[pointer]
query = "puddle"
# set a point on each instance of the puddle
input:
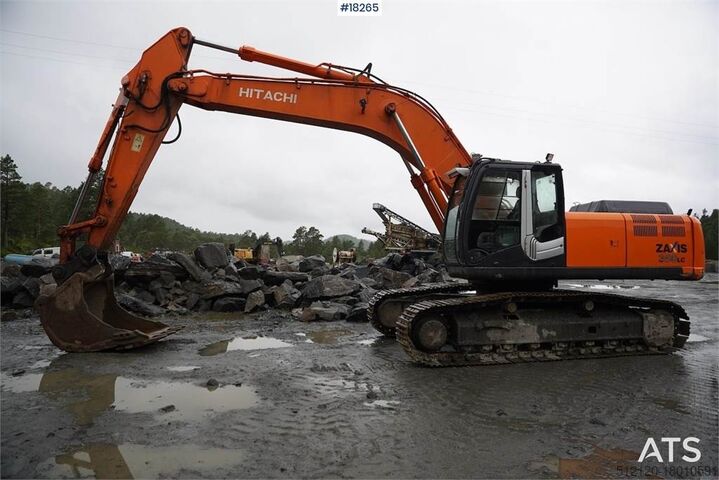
(386, 404)
(255, 343)
(101, 460)
(695, 337)
(21, 383)
(190, 401)
(87, 396)
(328, 337)
(187, 368)
(600, 463)
(369, 341)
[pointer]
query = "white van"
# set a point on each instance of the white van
(46, 252)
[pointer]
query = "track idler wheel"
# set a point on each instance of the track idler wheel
(431, 334)
(82, 315)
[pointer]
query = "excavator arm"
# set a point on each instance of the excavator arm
(82, 315)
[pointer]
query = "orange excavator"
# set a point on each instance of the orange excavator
(504, 226)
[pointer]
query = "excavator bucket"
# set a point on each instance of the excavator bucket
(82, 315)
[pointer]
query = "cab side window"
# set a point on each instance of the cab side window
(545, 214)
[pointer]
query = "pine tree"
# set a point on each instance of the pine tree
(10, 193)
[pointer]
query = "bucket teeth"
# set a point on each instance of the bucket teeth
(82, 315)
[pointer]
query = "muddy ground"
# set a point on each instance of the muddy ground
(335, 400)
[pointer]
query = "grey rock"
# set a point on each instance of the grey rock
(11, 270)
(162, 296)
(38, 266)
(212, 255)
(368, 282)
(32, 286)
(23, 299)
(178, 309)
(346, 300)
(255, 300)
(366, 295)
(361, 271)
(192, 299)
(276, 278)
(250, 272)
(328, 286)
(47, 279)
(358, 313)
(323, 270)
(324, 311)
(9, 286)
(195, 272)
(310, 263)
(285, 295)
(142, 294)
(248, 286)
(152, 268)
(387, 278)
(221, 288)
(228, 304)
(230, 269)
(138, 306)
(167, 409)
(119, 263)
(213, 383)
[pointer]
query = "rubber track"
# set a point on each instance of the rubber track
(374, 303)
(497, 357)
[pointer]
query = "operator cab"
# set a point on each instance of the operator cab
(507, 218)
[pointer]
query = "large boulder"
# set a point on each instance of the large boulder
(195, 272)
(250, 272)
(212, 255)
(255, 300)
(276, 278)
(310, 263)
(119, 263)
(38, 266)
(249, 286)
(387, 278)
(285, 295)
(220, 288)
(152, 268)
(329, 286)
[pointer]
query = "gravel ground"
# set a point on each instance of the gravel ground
(335, 400)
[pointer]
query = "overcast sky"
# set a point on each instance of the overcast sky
(625, 94)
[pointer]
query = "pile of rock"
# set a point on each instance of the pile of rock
(212, 280)
(21, 285)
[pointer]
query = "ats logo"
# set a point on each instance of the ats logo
(668, 252)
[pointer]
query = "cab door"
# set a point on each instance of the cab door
(542, 223)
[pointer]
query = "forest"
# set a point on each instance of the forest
(31, 212)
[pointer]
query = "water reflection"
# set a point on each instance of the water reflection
(104, 460)
(248, 343)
